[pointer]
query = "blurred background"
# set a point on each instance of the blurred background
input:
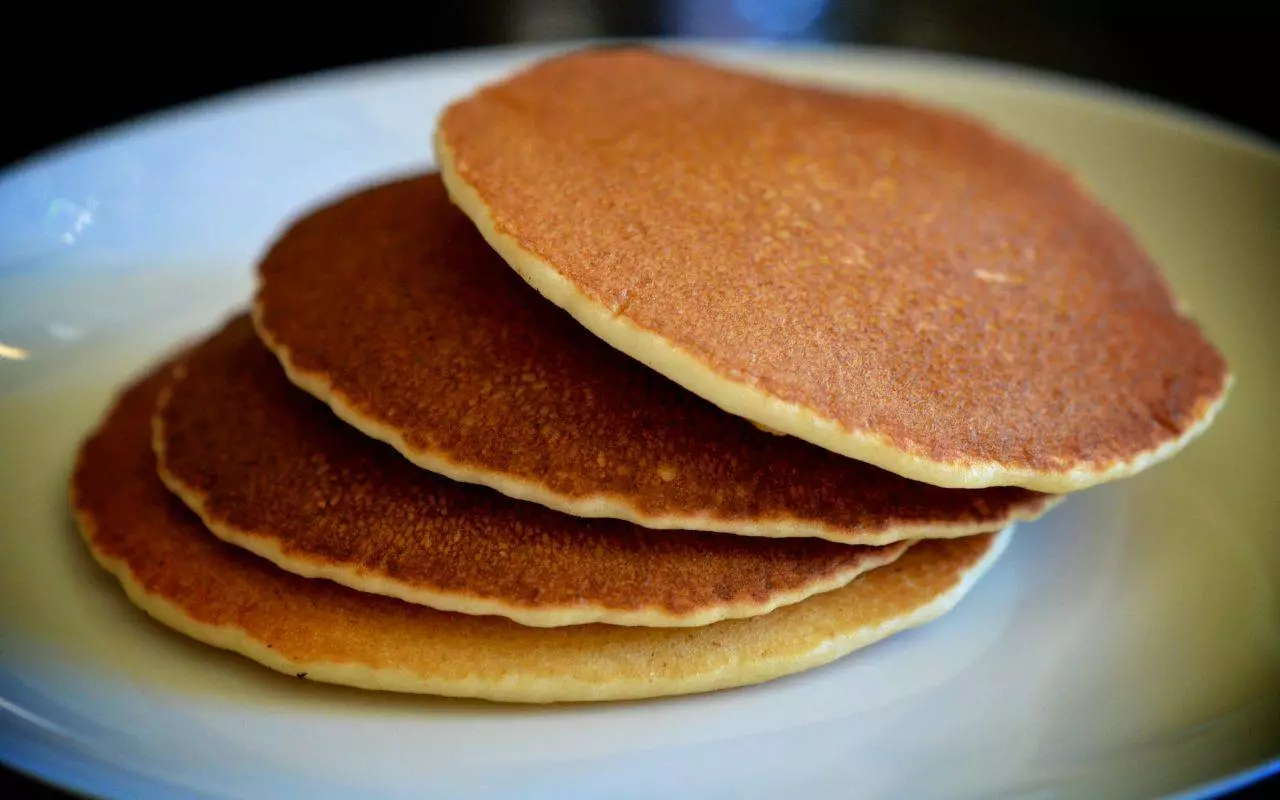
(68, 71)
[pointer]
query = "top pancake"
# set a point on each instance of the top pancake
(894, 283)
(390, 307)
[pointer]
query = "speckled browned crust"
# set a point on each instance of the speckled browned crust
(216, 593)
(390, 307)
(268, 468)
(895, 283)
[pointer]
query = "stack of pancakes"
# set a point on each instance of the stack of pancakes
(673, 379)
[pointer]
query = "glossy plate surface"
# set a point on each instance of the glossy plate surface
(1128, 645)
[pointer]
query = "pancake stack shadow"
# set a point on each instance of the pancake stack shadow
(673, 379)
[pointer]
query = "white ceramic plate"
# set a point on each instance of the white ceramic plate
(1128, 645)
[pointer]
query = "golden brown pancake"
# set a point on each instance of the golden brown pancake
(892, 282)
(270, 469)
(390, 307)
(225, 596)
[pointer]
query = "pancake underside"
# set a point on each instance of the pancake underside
(539, 616)
(610, 573)
(173, 569)
(620, 506)
(359, 664)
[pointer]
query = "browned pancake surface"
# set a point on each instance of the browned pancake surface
(391, 304)
(223, 595)
(269, 467)
(901, 272)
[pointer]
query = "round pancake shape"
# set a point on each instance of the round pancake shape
(894, 283)
(270, 469)
(391, 308)
(171, 567)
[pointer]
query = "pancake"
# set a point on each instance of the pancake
(390, 307)
(891, 282)
(229, 598)
(270, 469)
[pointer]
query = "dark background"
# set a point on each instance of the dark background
(69, 71)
